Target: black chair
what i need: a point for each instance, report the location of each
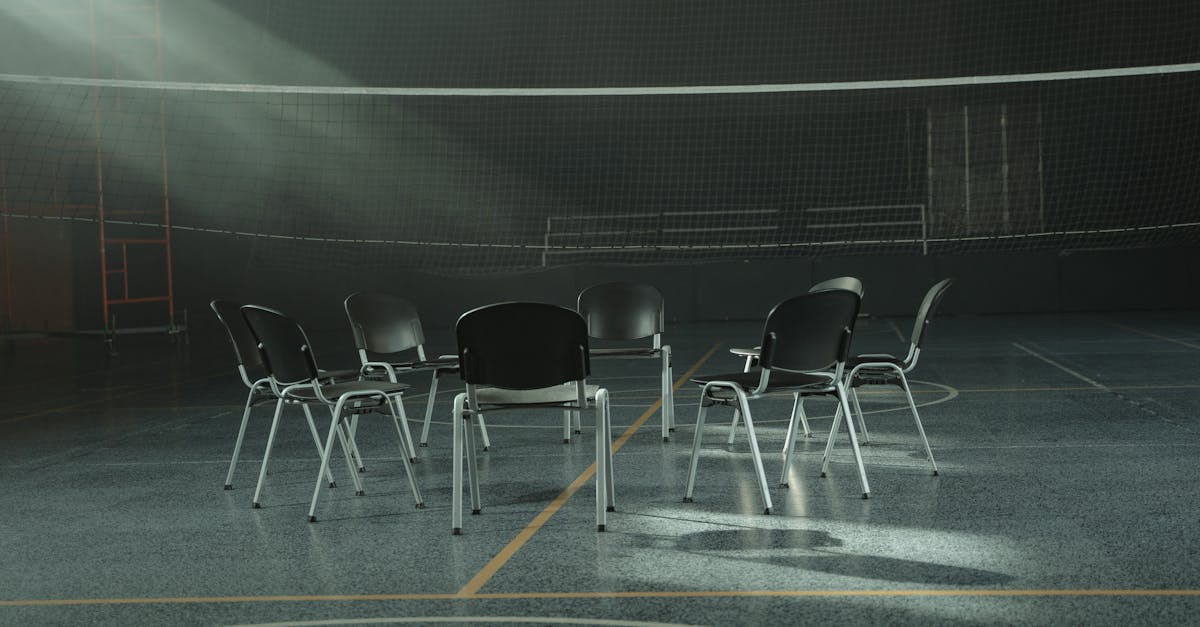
(805, 343)
(526, 356)
(289, 359)
(884, 369)
(387, 326)
(751, 357)
(245, 350)
(624, 312)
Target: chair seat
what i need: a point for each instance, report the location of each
(877, 375)
(625, 352)
(858, 360)
(554, 395)
(441, 363)
(340, 375)
(408, 367)
(334, 390)
(780, 380)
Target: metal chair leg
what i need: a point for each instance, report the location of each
(789, 444)
(797, 412)
(346, 439)
(312, 429)
(262, 471)
(733, 426)
(351, 434)
(608, 451)
(472, 466)
(456, 471)
(487, 442)
(433, 386)
(603, 496)
(406, 446)
(754, 451)
(237, 447)
(917, 419)
(696, 439)
(862, 417)
(668, 394)
(862, 471)
(335, 413)
(400, 417)
(833, 429)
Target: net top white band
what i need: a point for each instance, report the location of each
(668, 90)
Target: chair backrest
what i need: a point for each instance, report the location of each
(522, 346)
(245, 347)
(810, 332)
(286, 352)
(622, 311)
(839, 283)
(383, 323)
(929, 306)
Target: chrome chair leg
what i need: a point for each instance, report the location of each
(917, 419)
(862, 417)
(262, 471)
(668, 394)
(237, 447)
(844, 411)
(433, 386)
(754, 450)
(696, 439)
(312, 429)
(456, 471)
(400, 418)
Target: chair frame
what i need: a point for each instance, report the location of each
(750, 356)
(811, 379)
(296, 378)
(406, 334)
(621, 311)
(565, 389)
(883, 369)
(260, 391)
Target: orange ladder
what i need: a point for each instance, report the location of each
(123, 31)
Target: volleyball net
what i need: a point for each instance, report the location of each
(465, 180)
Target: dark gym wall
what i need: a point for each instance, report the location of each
(209, 266)
(1041, 282)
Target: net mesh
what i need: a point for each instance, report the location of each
(554, 134)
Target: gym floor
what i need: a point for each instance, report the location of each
(1067, 447)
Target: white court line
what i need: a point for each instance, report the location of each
(1060, 446)
(1065, 369)
(469, 620)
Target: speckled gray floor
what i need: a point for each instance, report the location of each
(1068, 448)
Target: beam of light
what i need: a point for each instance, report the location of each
(354, 167)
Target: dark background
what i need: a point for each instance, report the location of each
(1114, 156)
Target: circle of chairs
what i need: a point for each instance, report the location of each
(526, 356)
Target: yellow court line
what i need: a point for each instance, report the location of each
(285, 598)
(492, 567)
(662, 594)
(1156, 336)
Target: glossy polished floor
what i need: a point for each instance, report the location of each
(1068, 447)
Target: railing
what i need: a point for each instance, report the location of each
(753, 229)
